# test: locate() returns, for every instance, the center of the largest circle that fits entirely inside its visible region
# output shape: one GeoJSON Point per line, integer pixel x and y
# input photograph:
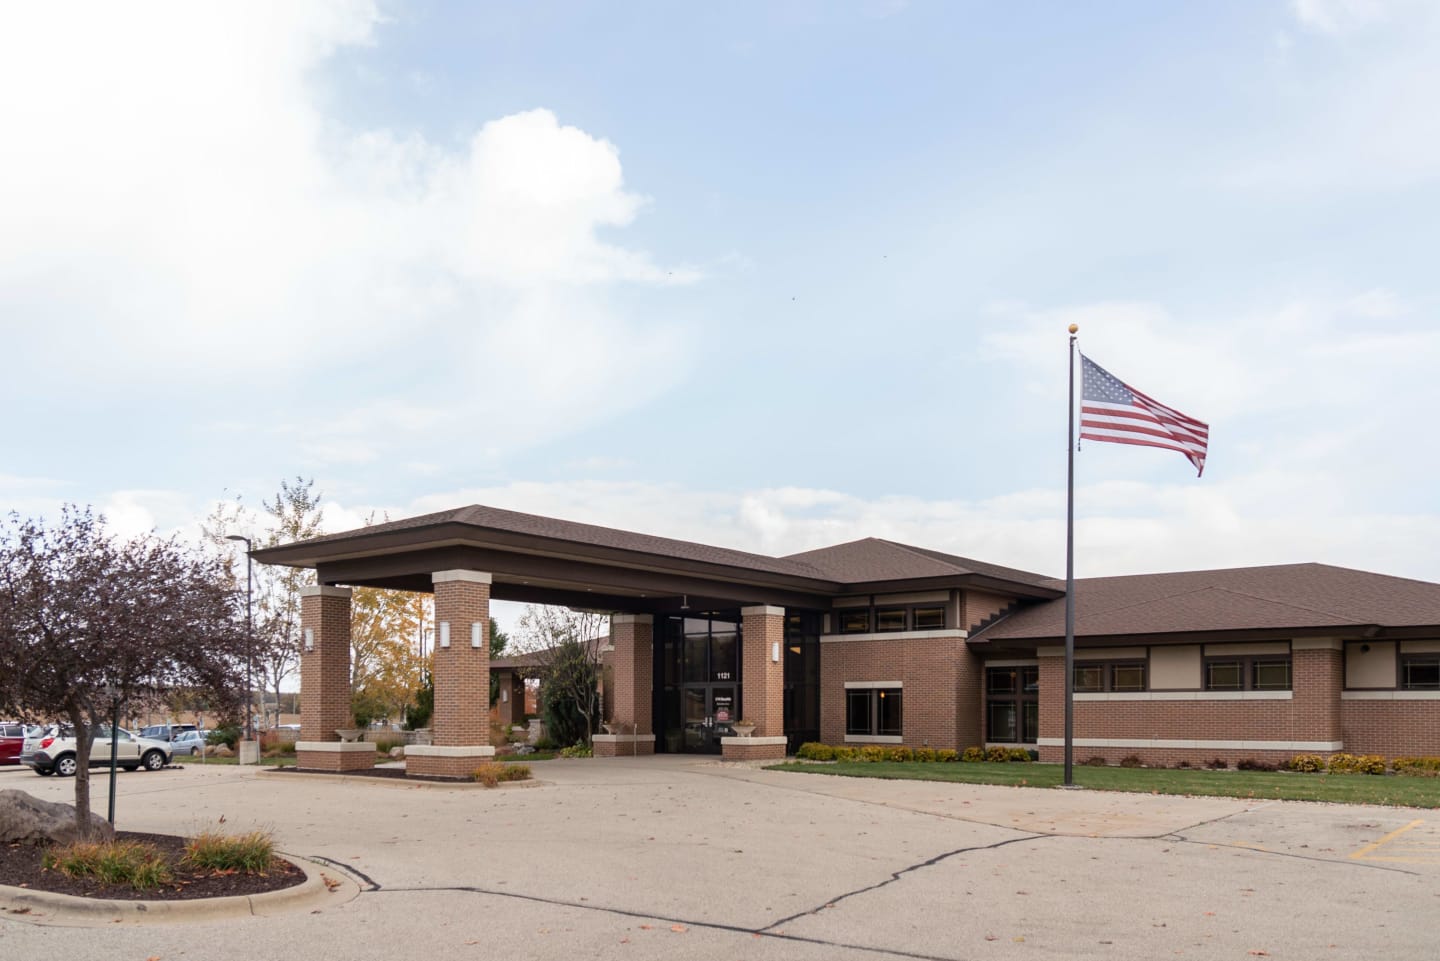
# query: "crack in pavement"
{"type": "Point", "coordinates": [690, 923]}
{"type": "Point", "coordinates": [897, 875]}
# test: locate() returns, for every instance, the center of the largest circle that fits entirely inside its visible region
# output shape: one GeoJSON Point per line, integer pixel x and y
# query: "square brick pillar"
{"type": "Point", "coordinates": [1317, 675]}
{"type": "Point", "coordinates": [461, 723]}
{"type": "Point", "coordinates": [325, 683]}
{"type": "Point", "coordinates": [1052, 710]}
{"type": "Point", "coordinates": [762, 679]}
{"type": "Point", "coordinates": [632, 637]}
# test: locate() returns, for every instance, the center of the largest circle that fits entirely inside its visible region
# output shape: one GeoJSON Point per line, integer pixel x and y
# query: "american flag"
{"type": "Point", "coordinates": [1117, 413]}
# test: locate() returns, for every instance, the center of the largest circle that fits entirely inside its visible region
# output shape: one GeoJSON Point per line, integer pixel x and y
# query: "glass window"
{"type": "Point", "coordinates": [1000, 680]}
{"type": "Point", "coordinates": [890, 619]}
{"type": "Point", "coordinates": [1030, 680]}
{"type": "Point", "coordinates": [929, 618]}
{"type": "Point", "coordinates": [857, 712]}
{"type": "Point", "coordinates": [1224, 676]}
{"type": "Point", "coordinates": [696, 647]}
{"type": "Point", "coordinates": [1127, 677]}
{"type": "Point", "coordinates": [855, 622]}
{"type": "Point", "coordinates": [1420, 673]}
{"type": "Point", "coordinates": [889, 710]}
{"type": "Point", "coordinates": [722, 656]}
{"type": "Point", "coordinates": [1002, 722]}
{"type": "Point", "coordinates": [1032, 720]}
{"type": "Point", "coordinates": [1089, 678]}
{"type": "Point", "coordinates": [1272, 675]}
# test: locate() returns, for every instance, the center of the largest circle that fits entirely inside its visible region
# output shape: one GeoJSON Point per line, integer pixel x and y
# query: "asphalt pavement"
{"type": "Point", "coordinates": [670, 858]}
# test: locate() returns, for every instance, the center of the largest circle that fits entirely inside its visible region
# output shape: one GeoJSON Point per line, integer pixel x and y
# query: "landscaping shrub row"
{"type": "Point", "coordinates": [142, 867]}
{"type": "Point", "coordinates": [815, 751]}
{"type": "Point", "coordinates": [491, 773]}
{"type": "Point", "coordinates": [1365, 764]}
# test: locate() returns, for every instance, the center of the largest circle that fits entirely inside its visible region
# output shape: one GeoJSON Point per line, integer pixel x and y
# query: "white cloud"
{"type": "Point", "coordinates": [180, 204]}
{"type": "Point", "coordinates": [1339, 16]}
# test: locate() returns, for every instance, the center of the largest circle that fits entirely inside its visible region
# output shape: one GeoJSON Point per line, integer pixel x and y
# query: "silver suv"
{"type": "Point", "coordinates": [131, 752]}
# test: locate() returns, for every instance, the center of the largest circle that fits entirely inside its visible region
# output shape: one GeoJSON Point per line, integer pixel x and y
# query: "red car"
{"type": "Point", "coordinates": [12, 739]}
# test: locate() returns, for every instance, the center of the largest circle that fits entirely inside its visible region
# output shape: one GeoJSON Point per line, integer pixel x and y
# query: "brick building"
{"type": "Point", "coordinates": [875, 642]}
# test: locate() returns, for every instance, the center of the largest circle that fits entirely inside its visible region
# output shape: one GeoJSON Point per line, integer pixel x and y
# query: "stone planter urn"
{"type": "Point", "coordinates": [349, 733]}
{"type": "Point", "coordinates": [614, 727]}
{"type": "Point", "coordinates": [743, 728]}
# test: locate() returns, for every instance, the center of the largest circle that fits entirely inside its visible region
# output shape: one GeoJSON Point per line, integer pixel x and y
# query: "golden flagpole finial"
{"type": "Point", "coordinates": [1074, 328]}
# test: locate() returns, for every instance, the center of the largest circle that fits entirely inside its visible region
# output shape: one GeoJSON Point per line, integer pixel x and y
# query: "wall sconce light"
{"type": "Point", "coordinates": [476, 635]}
{"type": "Point", "coordinates": [444, 633]}
{"type": "Point", "coordinates": [504, 694]}
{"type": "Point", "coordinates": [309, 639]}
{"type": "Point", "coordinates": [1364, 648]}
{"type": "Point", "coordinates": [775, 653]}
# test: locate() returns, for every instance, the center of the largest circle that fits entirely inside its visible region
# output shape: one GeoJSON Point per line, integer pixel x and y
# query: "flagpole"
{"type": "Point", "coordinates": [1070, 577]}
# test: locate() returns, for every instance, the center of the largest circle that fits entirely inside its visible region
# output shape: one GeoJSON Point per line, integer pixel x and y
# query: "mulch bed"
{"type": "Point", "coordinates": [20, 866]}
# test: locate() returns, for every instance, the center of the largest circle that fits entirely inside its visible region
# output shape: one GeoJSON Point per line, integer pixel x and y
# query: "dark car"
{"type": "Point", "coordinates": [12, 741]}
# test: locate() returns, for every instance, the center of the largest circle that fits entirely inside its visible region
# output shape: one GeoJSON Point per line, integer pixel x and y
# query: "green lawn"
{"type": "Point", "coordinates": [1341, 788]}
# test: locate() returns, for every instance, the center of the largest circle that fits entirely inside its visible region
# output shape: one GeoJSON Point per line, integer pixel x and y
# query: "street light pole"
{"type": "Point", "coordinates": [113, 692]}
{"type": "Point", "coordinates": [249, 632]}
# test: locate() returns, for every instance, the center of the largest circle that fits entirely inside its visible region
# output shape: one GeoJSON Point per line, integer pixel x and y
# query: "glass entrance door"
{"type": "Point", "coordinates": [708, 712]}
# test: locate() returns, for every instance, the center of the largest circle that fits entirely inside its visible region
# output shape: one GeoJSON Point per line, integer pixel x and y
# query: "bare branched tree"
{"type": "Point", "coordinates": [87, 621]}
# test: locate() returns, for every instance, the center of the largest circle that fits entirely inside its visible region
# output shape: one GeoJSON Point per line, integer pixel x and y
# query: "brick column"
{"type": "Point", "coordinates": [1317, 676]}
{"type": "Point", "coordinates": [762, 679]}
{"type": "Point", "coordinates": [1052, 706]}
{"type": "Point", "coordinates": [461, 723]}
{"type": "Point", "coordinates": [325, 683]}
{"type": "Point", "coordinates": [632, 636]}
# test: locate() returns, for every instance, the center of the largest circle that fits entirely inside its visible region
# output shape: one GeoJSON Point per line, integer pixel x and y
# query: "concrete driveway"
{"type": "Point", "coordinates": [678, 858]}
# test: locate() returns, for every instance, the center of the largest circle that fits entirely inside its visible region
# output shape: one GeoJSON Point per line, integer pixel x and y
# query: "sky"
{"type": "Point", "coordinates": [763, 275]}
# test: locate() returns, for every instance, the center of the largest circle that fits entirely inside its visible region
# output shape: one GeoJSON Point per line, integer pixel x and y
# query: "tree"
{"type": "Point", "coordinates": [294, 514]}
{"type": "Point", "coordinates": [81, 612]}
{"type": "Point", "coordinates": [385, 668]}
{"type": "Point", "coordinates": [568, 645]}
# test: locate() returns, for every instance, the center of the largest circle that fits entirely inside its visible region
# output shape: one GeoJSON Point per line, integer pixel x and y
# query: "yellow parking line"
{"type": "Point", "coordinates": [1363, 853]}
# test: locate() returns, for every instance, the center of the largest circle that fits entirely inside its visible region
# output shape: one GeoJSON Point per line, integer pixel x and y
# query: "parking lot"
{"type": "Point", "coordinates": [664, 858]}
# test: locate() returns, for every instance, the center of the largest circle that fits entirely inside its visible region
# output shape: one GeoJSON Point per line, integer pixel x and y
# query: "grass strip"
{"type": "Point", "coordinates": [1335, 788]}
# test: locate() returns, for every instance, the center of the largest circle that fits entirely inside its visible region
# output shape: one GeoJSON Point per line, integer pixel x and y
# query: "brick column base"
{"type": "Point", "coordinates": [753, 748]}
{"type": "Point", "coordinates": [428, 760]}
{"type": "Point", "coordinates": [623, 745]}
{"type": "Point", "coordinates": [334, 756]}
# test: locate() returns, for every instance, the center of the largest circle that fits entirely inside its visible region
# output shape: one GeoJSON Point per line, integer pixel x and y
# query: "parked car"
{"type": "Point", "coordinates": [166, 732]}
{"type": "Point", "coordinates": [59, 755]}
{"type": "Point", "coordinates": [35, 737]}
{"type": "Point", "coordinates": [188, 743]}
{"type": "Point", "coordinates": [12, 743]}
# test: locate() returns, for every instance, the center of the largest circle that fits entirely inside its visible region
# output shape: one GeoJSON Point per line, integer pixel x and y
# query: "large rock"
{"type": "Point", "coordinates": [397, 753]}
{"type": "Point", "coordinates": [29, 820]}
{"type": "Point", "coordinates": [221, 750]}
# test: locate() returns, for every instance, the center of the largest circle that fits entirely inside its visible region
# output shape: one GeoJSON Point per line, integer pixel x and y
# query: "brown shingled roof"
{"type": "Point", "coordinates": [876, 559]}
{"type": "Point", "coordinates": [1299, 596]}
{"type": "Point", "coordinates": [494, 518]}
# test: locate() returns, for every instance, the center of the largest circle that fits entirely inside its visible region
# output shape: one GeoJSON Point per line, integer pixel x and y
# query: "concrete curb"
{"type": "Point", "coordinates": [322, 885]}
{"type": "Point", "coordinates": [401, 782]}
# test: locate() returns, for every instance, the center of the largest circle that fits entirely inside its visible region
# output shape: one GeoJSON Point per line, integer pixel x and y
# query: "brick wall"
{"type": "Point", "coordinates": [979, 605]}
{"type": "Point", "coordinates": [1392, 728]}
{"type": "Point", "coordinates": [462, 672]}
{"type": "Point", "coordinates": [931, 671]}
{"type": "Point", "coordinates": [325, 669]}
{"type": "Point", "coordinates": [1312, 713]}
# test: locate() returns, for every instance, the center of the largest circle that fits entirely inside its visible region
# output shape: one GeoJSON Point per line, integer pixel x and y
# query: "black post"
{"type": "Point", "coordinates": [1070, 578]}
{"type": "Point", "coordinates": [114, 750]}
{"type": "Point", "coordinates": [249, 635]}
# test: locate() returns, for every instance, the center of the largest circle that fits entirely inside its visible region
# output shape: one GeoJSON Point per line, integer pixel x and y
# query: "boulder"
{"type": "Point", "coordinates": [28, 820]}
{"type": "Point", "coordinates": [221, 750]}
{"type": "Point", "coordinates": [397, 753]}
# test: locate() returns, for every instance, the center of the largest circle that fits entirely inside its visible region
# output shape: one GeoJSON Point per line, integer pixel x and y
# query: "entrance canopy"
{"type": "Point", "coordinates": [545, 560]}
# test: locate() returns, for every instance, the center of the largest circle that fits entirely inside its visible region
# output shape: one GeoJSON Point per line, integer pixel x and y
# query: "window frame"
{"type": "Point", "coordinates": [845, 612]}
{"type": "Point", "coordinates": [1019, 697]}
{"type": "Point", "coordinates": [1107, 670]}
{"type": "Point", "coordinates": [878, 612]}
{"type": "Point", "coordinates": [873, 697]}
{"type": "Point", "coordinates": [1404, 662]}
{"type": "Point", "coordinates": [1247, 664]}
{"type": "Point", "coordinates": [872, 614]}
